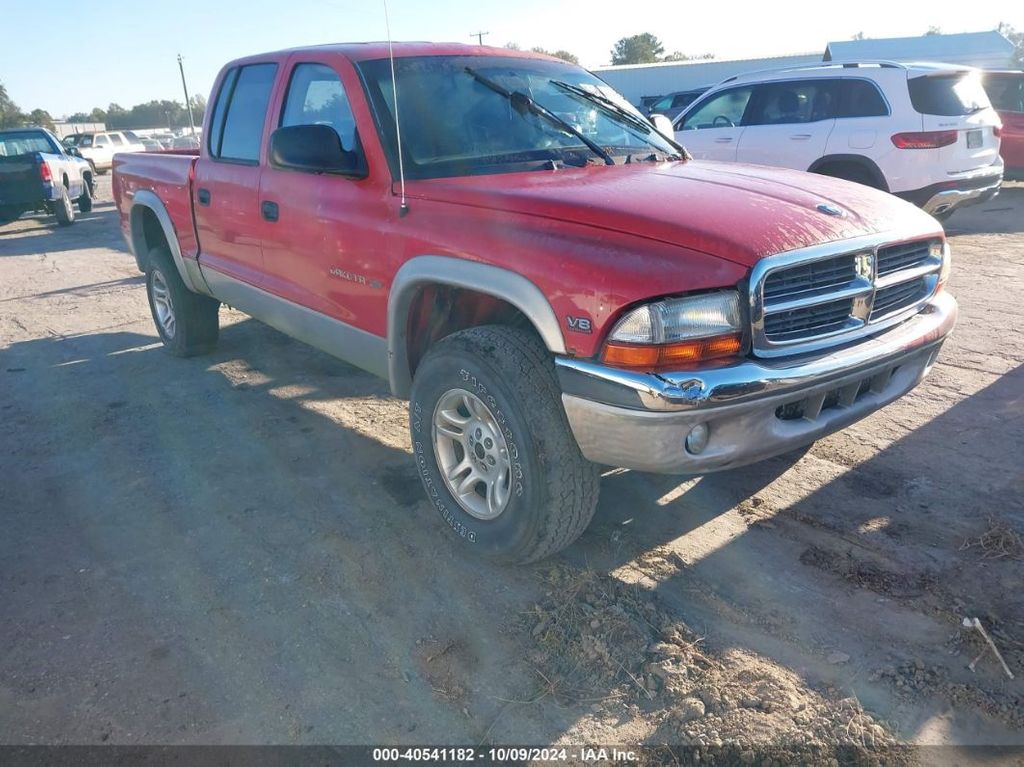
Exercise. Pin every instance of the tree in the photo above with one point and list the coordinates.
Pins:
(78, 117)
(933, 30)
(41, 118)
(97, 115)
(859, 36)
(680, 56)
(1015, 37)
(117, 116)
(10, 114)
(513, 46)
(639, 49)
(559, 54)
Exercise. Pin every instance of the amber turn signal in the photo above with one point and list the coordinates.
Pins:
(651, 356)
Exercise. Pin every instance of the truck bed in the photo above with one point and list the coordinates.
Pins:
(166, 174)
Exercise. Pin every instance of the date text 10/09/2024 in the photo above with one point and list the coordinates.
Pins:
(505, 754)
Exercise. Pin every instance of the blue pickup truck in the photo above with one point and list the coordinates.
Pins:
(38, 174)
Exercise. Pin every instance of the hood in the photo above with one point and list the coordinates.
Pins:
(741, 213)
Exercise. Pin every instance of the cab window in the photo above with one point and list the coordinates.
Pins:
(317, 97)
(721, 110)
(116, 140)
(101, 141)
(241, 131)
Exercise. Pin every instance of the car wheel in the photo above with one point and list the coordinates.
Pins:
(188, 323)
(493, 447)
(850, 172)
(63, 209)
(85, 199)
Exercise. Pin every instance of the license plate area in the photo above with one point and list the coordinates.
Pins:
(974, 139)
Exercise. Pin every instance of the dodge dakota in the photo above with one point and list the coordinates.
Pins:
(553, 284)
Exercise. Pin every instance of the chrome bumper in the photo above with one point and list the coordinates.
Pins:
(957, 198)
(753, 409)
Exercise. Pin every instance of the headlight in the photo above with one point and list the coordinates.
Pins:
(677, 331)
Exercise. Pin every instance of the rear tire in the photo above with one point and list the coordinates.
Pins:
(188, 323)
(513, 445)
(63, 209)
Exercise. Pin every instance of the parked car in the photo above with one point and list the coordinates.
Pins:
(151, 145)
(925, 132)
(98, 149)
(37, 173)
(1006, 91)
(185, 142)
(674, 103)
(549, 300)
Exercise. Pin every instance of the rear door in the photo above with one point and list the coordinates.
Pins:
(957, 102)
(788, 123)
(227, 176)
(711, 129)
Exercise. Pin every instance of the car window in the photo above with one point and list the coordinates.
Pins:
(720, 110)
(948, 95)
(101, 141)
(25, 142)
(242, 132)
(1006, 93)
(662, 103)
(316, 96)
(793, 102)
(115, 139)
(83, 142)
(860, 98)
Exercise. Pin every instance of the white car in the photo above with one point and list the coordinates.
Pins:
(925, 132)
(99, 148)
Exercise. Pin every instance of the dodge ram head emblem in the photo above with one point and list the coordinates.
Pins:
(831, 210)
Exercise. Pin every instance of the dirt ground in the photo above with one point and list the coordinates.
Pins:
(235, 549)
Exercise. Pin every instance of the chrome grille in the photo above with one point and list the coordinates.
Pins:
(816, 297)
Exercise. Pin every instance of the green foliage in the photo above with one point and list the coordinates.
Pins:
(10, 115)
(1015, 37)
(644, 48)
(41, 118)
(559, 54)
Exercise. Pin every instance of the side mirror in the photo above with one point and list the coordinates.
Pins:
(313, 149)
(663, 125)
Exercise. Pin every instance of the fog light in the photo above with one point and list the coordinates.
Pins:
(697, 439)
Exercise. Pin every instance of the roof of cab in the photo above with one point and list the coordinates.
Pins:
(380, 50)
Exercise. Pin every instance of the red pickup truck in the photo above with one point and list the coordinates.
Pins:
(552, 283)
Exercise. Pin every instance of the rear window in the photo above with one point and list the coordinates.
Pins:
(948, 95)
(25, 142)
(861, 98)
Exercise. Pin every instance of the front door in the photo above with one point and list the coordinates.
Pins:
(712, 128)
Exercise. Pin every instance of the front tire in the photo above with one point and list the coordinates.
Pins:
(85, 199)
(63, 209)
(493, 447)
(188, 323)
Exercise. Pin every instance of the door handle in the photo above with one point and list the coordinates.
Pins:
(800, 136)
(724, 140)
(269, 210)
(203, 195)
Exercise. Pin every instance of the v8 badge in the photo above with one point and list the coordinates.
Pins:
(578, 324)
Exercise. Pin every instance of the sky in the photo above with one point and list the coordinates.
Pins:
(78, 55)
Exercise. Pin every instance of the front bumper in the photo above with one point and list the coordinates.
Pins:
(754, 409)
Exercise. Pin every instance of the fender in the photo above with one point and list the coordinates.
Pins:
(460, 273)
(854, 159)
(188, 269)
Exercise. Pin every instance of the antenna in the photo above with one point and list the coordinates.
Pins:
(403, 208)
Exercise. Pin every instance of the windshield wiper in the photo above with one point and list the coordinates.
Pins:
(602, 100)
(520, 101)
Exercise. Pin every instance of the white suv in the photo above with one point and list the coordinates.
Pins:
(99, 148)
(925, 132)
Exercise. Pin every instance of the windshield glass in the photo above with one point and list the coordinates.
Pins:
(25, 142)
(948, 96)
(453, 124)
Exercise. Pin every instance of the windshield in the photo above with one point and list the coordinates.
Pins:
(453, 124)
(25, 142)
(948, 96)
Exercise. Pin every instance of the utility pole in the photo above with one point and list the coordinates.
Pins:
(479, 37)
(188, 104)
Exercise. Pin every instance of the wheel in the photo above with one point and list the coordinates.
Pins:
(63, 209)
(850, 172)
(85, 199)
(187, 322)
(493, 447)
